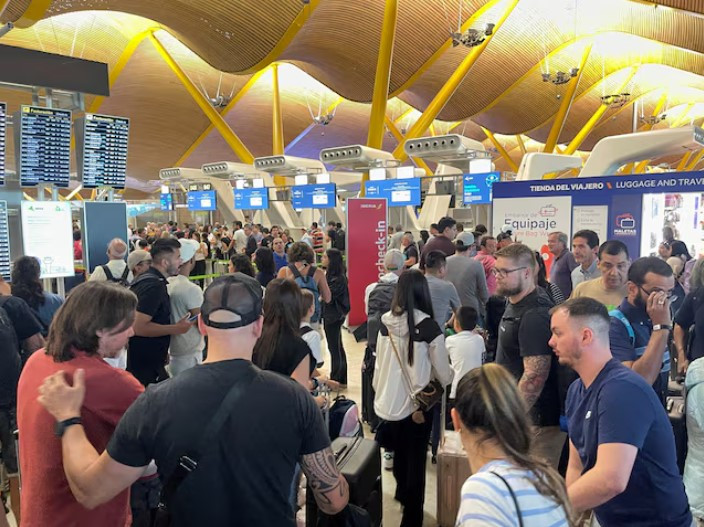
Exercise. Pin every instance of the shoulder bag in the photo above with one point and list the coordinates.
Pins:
(519, 515)
(187, 463)
(427, 398)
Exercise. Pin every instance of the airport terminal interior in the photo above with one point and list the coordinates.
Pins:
(558, 145)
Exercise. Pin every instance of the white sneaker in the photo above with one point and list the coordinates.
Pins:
(388, 460)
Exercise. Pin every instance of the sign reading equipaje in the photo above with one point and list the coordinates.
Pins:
(367, 224)
(532, 219)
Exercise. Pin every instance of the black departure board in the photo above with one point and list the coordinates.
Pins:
(102, 150)
(43, 146)
(3, 142)
(4, 242)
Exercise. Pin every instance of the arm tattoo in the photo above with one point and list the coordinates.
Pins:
(324, 478)
(535, 373)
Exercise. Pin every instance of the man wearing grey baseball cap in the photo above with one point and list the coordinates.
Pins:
(225, 435)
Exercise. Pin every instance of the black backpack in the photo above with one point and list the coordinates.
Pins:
(340, 240)
(378, 304)
(10, 358)
(122, 280)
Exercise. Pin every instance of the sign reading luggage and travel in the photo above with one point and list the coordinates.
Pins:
(43, 146)
(102, 150)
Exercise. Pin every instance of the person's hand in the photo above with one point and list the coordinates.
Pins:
(682, 366)
(183, 325)
(60, 399)
(333, 385)
(658, 308)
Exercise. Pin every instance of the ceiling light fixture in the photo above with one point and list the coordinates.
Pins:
(652, 120)
(560, 77)
(472, 37)
(616, 100)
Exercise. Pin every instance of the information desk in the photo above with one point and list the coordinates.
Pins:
(43, 146)
(101, 144)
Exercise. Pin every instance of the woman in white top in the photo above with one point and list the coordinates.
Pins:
(509, 485)
(410, 352)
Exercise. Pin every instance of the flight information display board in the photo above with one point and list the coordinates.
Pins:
(101, 142)
(321, 196)
(252, 198)
(47, 234)
(166, 202)
(477, 188)
(398, 192)
(3, 140)
(4, 242)
(43, 146)
(201, 200)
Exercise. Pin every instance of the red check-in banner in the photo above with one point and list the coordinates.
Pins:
(367, 226)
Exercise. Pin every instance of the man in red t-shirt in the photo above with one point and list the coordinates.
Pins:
(94, 323)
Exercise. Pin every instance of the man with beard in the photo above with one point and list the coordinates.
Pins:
(523, 347)
(641, 325)
(148, 349)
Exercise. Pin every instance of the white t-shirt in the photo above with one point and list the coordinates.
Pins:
(466, 350)
(487, 501)
(117, 267)
(314, 342)
(240, 241)
(184, 296)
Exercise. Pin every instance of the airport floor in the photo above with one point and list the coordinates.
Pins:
(392, 509)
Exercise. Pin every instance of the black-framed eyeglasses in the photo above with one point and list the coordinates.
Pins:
(670, 295)
(503, 273)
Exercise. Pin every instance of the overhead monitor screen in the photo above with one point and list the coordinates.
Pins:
(398, 192)
(201, 200)
(321, 196)
(477, 188)
(166, 202)
(47, 235)
(3, 142)
(4, 242)
(43, 146)
(102, 150)
(252, 198)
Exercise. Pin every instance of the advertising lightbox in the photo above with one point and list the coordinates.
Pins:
(47, 235)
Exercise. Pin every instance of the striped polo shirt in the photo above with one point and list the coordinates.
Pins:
(486, 500)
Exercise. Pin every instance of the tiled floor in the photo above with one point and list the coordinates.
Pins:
(392, 509)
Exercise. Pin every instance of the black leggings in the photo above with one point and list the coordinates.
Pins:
(333, 334)
(199, 270)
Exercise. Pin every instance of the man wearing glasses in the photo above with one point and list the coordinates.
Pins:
(641, 325)
(523, 347)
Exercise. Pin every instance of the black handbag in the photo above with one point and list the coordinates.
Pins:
(187, 463)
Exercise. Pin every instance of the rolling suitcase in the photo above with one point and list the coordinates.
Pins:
(359, 460)
(676, 410)
(453, 471)
(368, 414)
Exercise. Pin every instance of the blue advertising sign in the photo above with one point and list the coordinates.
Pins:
(398, 192)
(201, 200)
(625, 221)
(252, 198)
(476, 188)
(166, 201)
(314, 196)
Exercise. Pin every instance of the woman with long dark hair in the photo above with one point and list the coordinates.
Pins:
(510, 484)
(27, 285)
(410, 351)
(335, 311)
(541, 279)
(240, 263)
(266, 270)
(280, 348)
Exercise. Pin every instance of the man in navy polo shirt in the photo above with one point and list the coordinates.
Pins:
(641, 325)
(622, 462)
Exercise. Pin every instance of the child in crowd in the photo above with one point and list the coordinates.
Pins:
(465, 348)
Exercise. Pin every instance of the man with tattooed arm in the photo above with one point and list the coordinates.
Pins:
(523, 347)
(243, 476)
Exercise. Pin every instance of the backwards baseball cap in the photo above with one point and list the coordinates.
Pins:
(232, 301)
(188, 249)
(464, 239)
(137, 257)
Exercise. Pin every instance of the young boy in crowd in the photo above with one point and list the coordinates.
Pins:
(465, 348)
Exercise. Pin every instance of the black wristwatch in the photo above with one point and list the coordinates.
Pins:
(61, 426)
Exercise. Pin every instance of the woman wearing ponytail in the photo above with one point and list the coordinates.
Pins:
(509, 484)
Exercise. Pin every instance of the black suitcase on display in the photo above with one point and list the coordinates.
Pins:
(359, 461)
(675, 409)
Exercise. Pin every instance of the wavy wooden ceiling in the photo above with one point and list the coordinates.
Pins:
(337, 45)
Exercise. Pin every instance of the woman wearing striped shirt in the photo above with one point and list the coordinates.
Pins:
(509, 486)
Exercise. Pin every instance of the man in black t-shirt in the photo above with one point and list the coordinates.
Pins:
(147, 352)
(523, 347)
(244, 475)
(410, 251)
